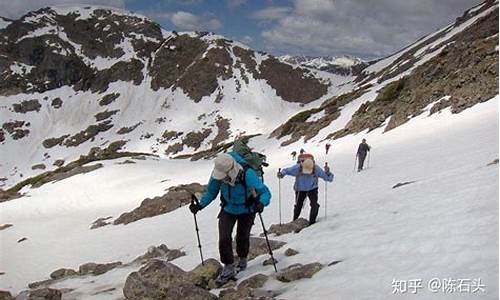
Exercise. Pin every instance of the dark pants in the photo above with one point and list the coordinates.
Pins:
(226, 225)
(361, 161)
(313, 202)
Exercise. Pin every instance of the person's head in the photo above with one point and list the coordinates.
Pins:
(226, 168)
(302, 151)
(307, 166)
(364, 140)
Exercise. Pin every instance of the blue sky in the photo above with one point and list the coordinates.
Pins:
(363, 28)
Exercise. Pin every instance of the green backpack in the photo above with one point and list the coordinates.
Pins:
(253, 159)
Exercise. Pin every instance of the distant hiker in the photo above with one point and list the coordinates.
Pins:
(236, 182)
(306, 174)
(294, 154)
(363, 149)
(302, 155)
(327, 147)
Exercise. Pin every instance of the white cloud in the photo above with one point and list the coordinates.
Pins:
(14, 9)
(359, 27)
(247, 39)
(188, 21)
(235, 3)
(271, 13)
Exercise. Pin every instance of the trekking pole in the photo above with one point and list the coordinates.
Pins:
(279, 194)
(368, 162)
(326, 184)
(355, 161)
(195, 200)
(268, 245)
(265, 234)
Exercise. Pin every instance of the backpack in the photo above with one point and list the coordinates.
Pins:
(305, 156)
(254, 160)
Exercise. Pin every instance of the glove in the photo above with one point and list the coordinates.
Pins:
(194, 208)
(327, 170)
(258, 206)
(280, 175)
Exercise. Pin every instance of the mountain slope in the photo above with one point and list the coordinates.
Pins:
(456, 66)
(342, 65)
(76, 78)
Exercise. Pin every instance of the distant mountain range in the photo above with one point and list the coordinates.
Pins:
(341, 65)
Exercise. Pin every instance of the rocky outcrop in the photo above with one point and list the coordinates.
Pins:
(161, 251)
(125, 130)
(463, 74)
(38, 167)
(194, 139)
(15, 129)
(101, 116)
(27, 106)
(298, 271)
(51, 142)
(173, 199)
(108, 99)
(162, 280)
(494, 162)
(96, 268)
(87, 134)
(56, 103)
(100, 223)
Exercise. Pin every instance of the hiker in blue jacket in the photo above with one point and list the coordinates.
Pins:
(306, 174)
(242, 195)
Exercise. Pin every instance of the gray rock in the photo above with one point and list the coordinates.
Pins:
(291, 252)
(45, 294)
(294, 226)
(254, 282)
(5, 226)
(402, 183)
(161, 251)
(258, 246)
(62, 273)
(5, 295)
(59, 163)
(494, 162)
(100, 222)
(42, 283)
(97, 269)
(269, 262)
(298, 271)
(38, 167)
(174, 198)
(162, 280)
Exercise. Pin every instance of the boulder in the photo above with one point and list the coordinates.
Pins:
(162, 280)
(298, 271)
(248, 289)
(494, 162)
(61, 273)
(254, 282)
(294, 226)
(291, 252)
(269, 262)
(202, 275)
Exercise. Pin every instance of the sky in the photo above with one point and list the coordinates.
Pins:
(363, 28)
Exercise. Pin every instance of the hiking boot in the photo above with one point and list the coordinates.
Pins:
(228, 273)
(242, 264)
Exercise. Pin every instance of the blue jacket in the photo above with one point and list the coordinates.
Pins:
(306, 182)
(235, 195)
